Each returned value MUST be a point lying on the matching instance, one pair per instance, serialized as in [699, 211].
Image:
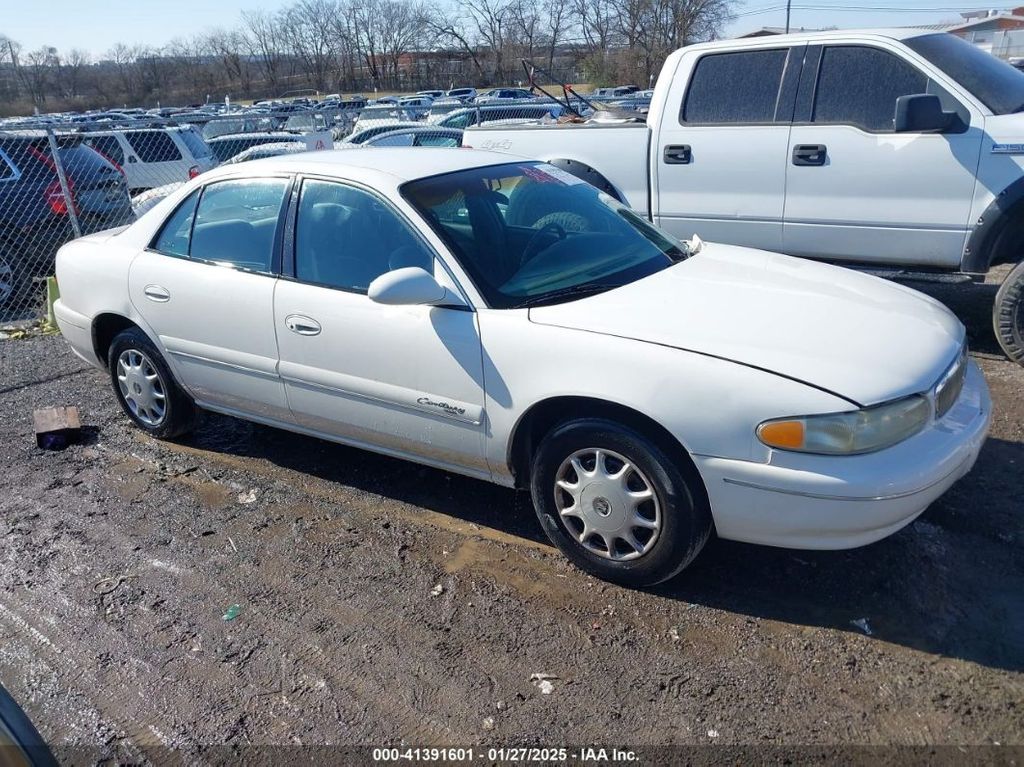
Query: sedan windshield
[530, 233]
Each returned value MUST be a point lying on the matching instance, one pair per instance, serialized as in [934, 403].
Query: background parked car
[274, 149]
[375, 130]
[227, 147]
[416, 106]
[503, 94]
[383, 113]
[35, 218]
[426, 135]
[442, 107]
[464, 95]
[153, 157]
[463, 118]
[618, 92]
[247, 123]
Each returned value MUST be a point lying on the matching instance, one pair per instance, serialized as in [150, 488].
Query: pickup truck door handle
[810, 154]
[304, 326]
[157, 293]
[678, 154]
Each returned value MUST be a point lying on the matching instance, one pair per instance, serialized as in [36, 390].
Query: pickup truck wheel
[144, 386]
[1008, 315]
[616, 504]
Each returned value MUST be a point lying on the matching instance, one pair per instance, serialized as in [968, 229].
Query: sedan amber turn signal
[788, 435]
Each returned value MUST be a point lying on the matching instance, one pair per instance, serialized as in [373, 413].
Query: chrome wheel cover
[142, 388]
[607, 504]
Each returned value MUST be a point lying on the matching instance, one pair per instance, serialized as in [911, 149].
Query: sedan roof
[401, 163]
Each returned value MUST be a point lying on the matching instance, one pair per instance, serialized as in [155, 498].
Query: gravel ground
[383, 603]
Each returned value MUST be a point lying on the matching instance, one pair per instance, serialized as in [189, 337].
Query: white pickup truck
[887, 148]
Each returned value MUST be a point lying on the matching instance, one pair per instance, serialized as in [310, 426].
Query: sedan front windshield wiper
[576, 291]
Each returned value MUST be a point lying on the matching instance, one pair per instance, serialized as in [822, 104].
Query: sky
[98, 26]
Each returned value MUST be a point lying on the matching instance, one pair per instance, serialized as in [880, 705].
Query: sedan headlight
[858, 431]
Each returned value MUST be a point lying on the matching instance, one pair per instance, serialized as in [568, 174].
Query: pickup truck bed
[618, 150]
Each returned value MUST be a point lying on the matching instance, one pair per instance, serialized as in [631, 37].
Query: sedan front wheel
[617, 504]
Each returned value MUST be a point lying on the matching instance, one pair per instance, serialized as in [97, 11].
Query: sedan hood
[861, 337]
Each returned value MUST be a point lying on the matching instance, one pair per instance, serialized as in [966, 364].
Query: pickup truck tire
[145, 387]
[616, 504]
[1008, 315]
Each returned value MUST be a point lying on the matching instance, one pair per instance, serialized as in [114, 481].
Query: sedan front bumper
[839, 502]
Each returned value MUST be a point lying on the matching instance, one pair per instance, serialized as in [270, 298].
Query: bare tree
[262, 37]
[74, 66]
[307, 29]
[450, 28]
[392, 44]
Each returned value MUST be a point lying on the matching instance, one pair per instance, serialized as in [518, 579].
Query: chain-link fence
[65, 176]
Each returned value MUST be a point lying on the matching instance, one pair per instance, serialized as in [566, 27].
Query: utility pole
[788, 4]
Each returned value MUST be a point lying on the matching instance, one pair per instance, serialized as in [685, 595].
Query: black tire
[15, 285]
[21, 741]
[179, 411]
[685, 517]
[1008, 315]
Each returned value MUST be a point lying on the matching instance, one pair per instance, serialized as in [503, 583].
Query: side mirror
[409, 286]
[921, 113]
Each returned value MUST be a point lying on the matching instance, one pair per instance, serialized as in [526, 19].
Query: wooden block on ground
[56, 427]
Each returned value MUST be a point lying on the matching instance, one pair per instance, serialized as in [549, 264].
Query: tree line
[366, 46]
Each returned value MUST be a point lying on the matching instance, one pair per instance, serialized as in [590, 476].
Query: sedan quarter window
[174, 236]
[236, 222]
[345, 238]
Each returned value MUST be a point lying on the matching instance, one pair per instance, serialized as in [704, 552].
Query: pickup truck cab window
[740, 87]
[346, 237]
[858, 85]
[236, 223]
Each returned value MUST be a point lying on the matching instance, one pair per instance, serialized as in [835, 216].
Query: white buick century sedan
[504, 320]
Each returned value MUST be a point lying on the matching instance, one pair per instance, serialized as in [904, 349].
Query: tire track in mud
[544, 592]
[368, 705]
[340, 640]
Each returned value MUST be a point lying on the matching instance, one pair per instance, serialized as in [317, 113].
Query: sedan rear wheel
[144, 386]
[619, 504]
[141, 387]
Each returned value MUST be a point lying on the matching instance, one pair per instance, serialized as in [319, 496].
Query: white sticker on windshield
[560, 175]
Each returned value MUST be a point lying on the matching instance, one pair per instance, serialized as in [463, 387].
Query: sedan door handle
[304, 326]
[810, 154]
[157, 293]
[678, 154]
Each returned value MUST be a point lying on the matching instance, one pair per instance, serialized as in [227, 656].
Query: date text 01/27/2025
[503, 754]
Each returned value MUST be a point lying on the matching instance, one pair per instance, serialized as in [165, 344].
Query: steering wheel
[532, 248]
